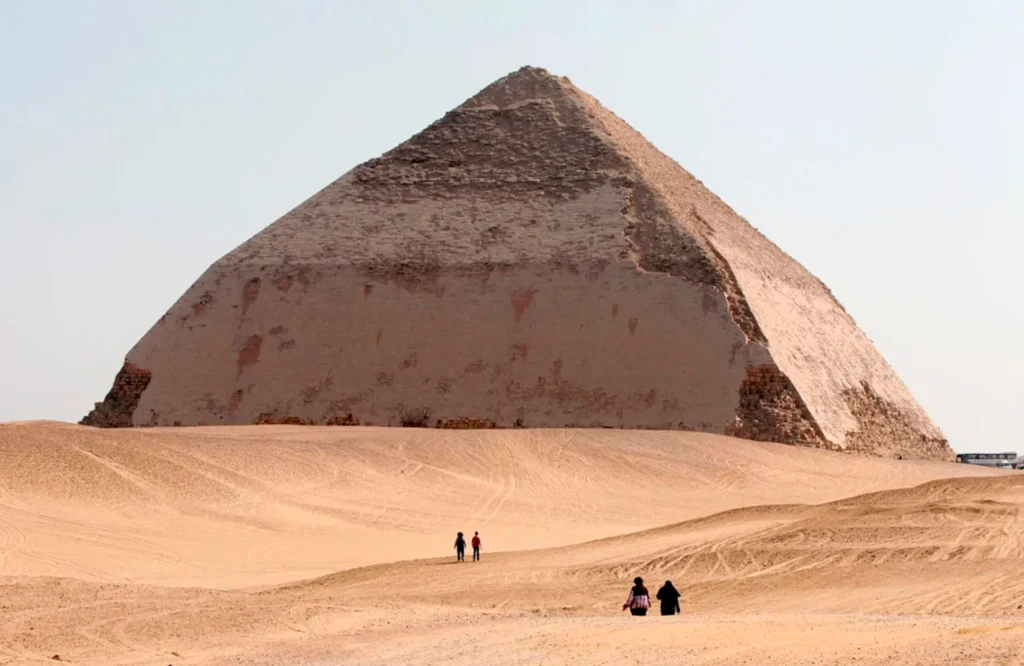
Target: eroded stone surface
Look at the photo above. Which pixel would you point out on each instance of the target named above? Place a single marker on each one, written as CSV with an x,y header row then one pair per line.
x,y
119,406
884,429
771,410
527,260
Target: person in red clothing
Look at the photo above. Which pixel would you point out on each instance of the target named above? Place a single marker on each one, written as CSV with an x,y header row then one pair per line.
x,y
639,598
476,546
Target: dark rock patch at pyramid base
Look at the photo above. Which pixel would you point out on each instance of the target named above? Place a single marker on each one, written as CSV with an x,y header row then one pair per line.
x,y
119,406
771,410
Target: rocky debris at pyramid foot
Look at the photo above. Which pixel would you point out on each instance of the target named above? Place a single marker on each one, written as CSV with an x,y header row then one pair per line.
x,y
771,410
463,423
117,408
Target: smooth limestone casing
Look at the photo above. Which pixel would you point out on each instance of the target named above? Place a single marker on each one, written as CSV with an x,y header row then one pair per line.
x,y
527,260
568,338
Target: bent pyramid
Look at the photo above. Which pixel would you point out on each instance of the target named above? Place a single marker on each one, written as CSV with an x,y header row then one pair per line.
x,y
527,260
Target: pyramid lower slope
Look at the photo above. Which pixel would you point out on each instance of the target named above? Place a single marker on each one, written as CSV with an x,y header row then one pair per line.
x,y
528,260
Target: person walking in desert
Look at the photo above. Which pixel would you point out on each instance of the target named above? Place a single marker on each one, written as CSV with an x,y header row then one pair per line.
x,y
460,547
476,546
639,599
669,597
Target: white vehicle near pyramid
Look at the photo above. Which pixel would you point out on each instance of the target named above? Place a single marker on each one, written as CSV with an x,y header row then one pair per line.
x,y
528,260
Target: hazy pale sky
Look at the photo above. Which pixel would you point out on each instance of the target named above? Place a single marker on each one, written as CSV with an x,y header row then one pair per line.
x,y
879,143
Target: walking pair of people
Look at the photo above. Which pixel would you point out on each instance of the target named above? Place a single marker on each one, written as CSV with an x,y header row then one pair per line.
x,y
460,547
640,600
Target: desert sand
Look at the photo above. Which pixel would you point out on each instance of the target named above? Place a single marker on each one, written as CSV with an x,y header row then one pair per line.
x,y
332,545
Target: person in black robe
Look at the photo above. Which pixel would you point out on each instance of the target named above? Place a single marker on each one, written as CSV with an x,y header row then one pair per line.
x,y
668,595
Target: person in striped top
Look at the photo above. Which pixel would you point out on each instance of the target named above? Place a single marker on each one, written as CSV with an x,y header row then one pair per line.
x,y
639,598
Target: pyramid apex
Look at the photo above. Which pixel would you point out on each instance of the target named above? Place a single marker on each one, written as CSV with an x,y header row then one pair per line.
x,y
528,83
533,70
